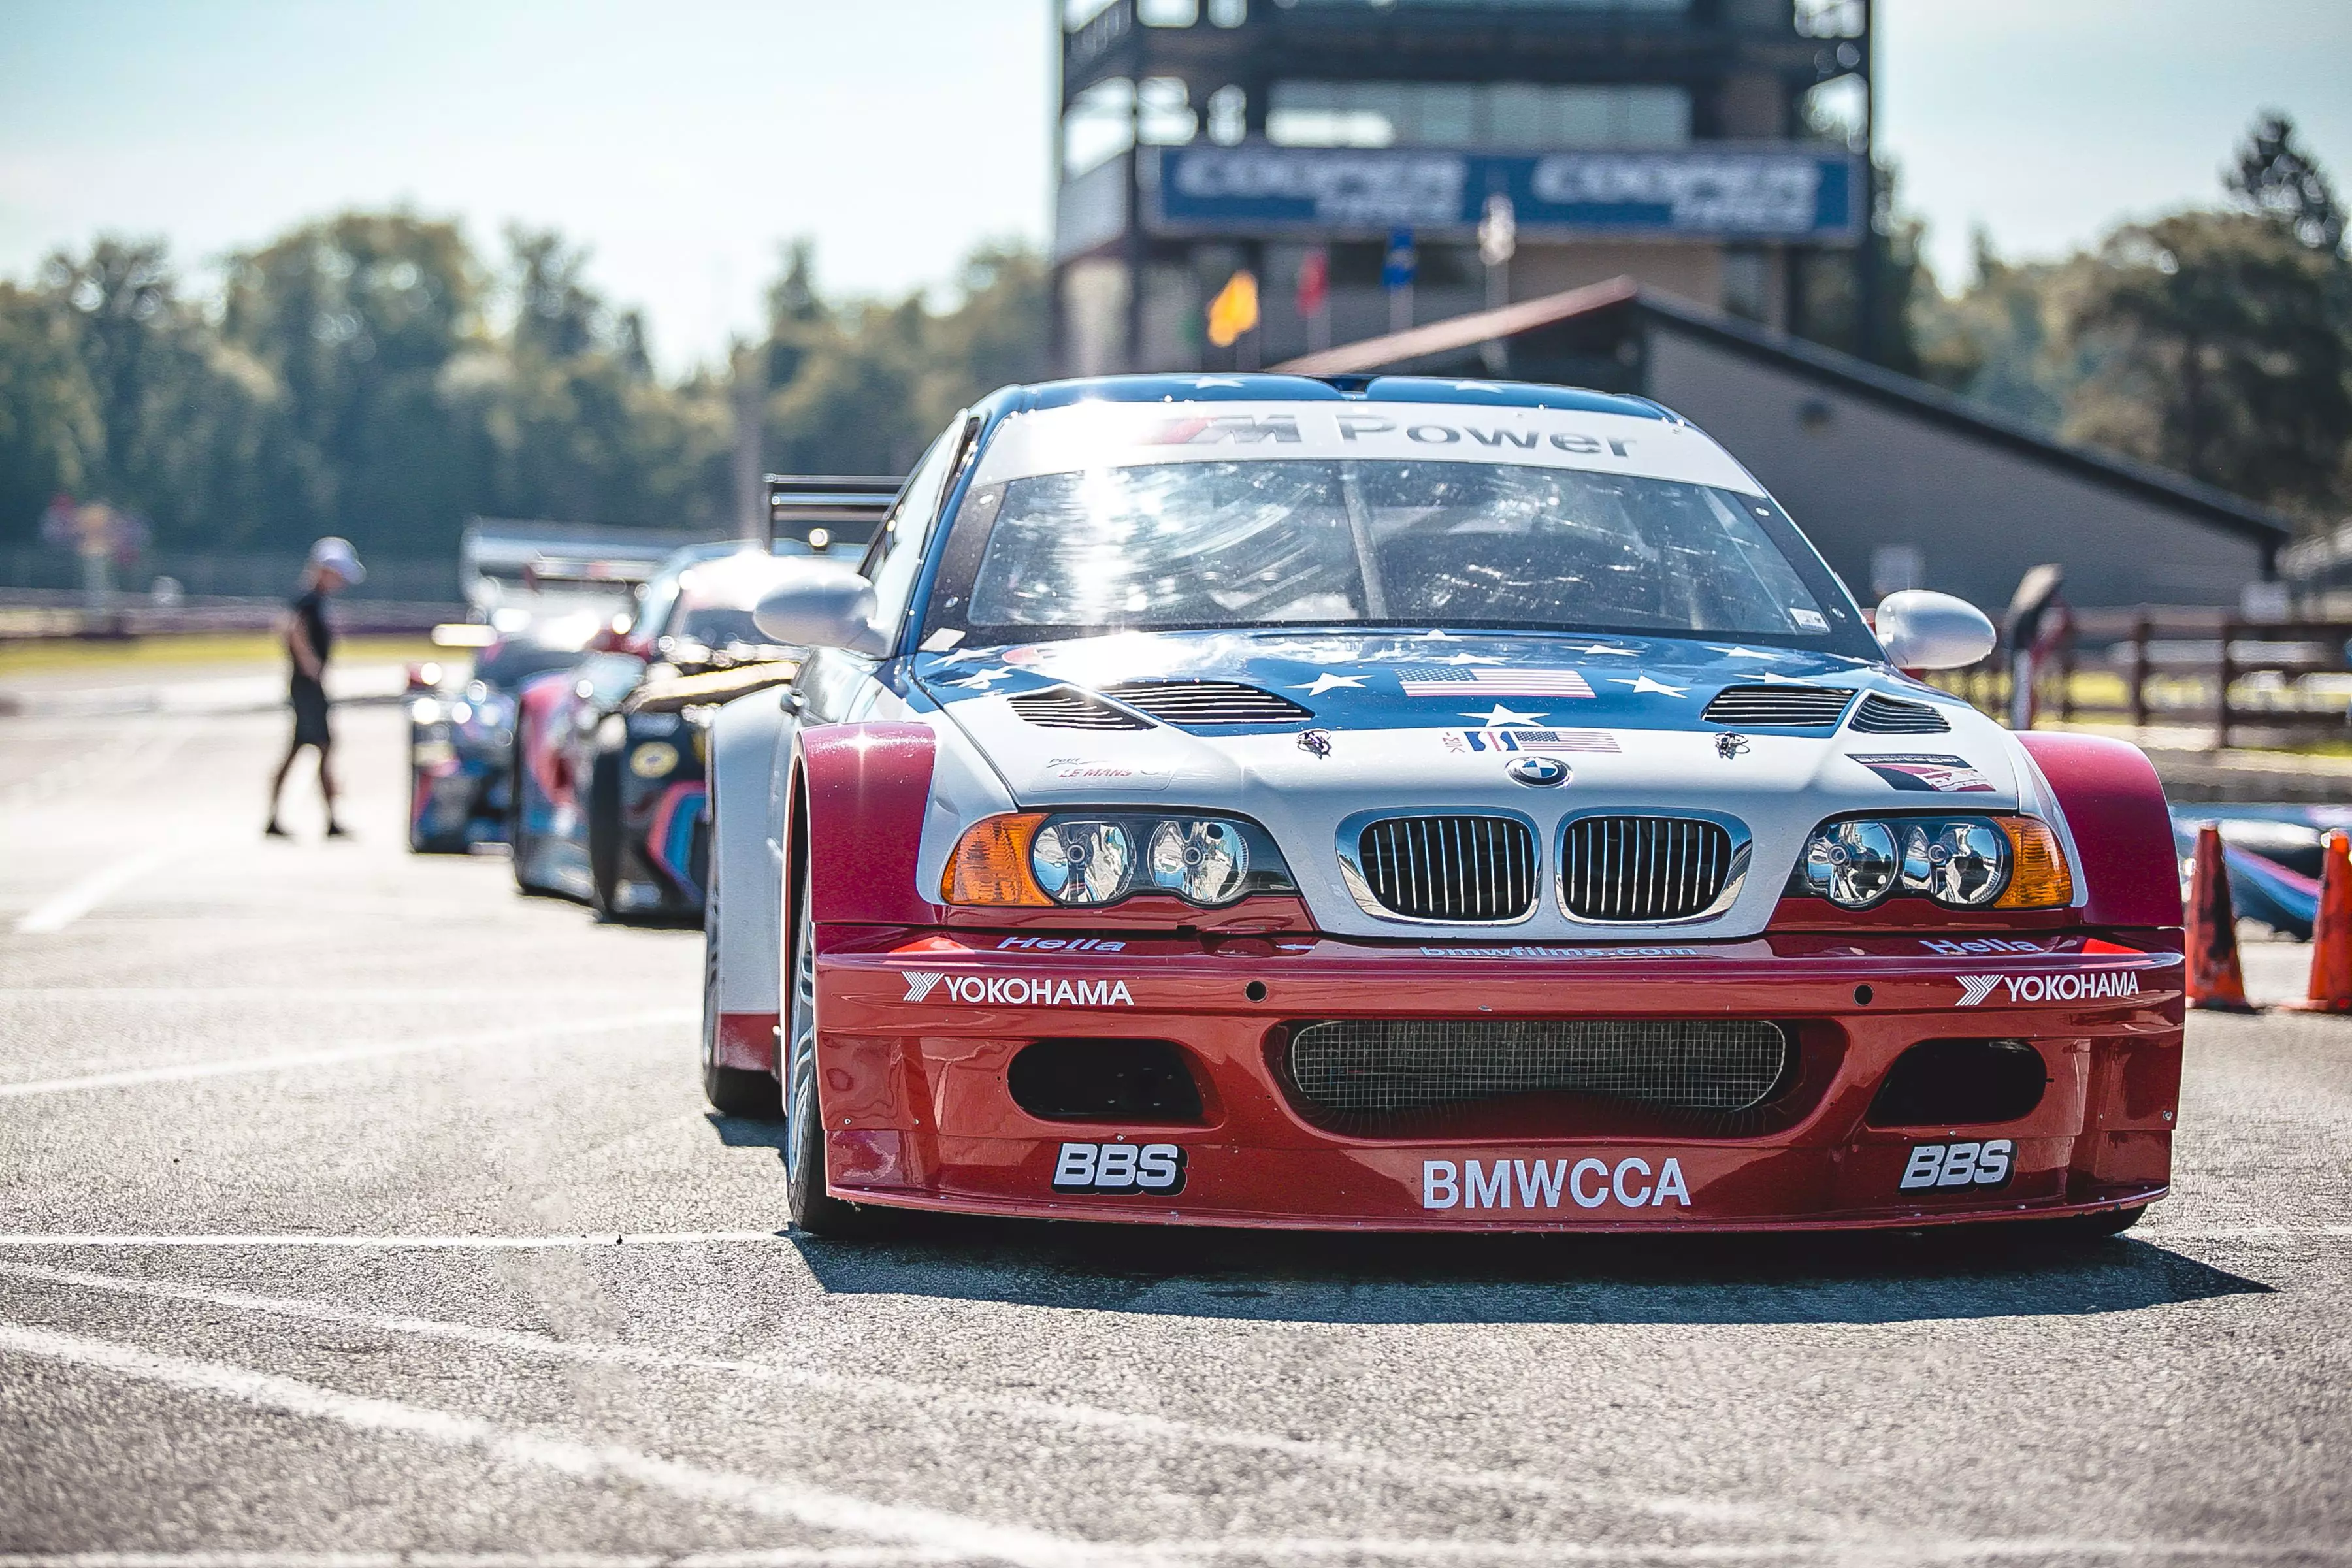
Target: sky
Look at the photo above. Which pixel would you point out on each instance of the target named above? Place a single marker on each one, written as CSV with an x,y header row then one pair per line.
x,y
686,141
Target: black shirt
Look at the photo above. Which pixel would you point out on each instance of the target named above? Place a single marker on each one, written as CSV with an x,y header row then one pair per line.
x,y
310,613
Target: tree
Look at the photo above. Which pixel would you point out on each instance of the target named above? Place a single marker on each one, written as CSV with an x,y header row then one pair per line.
x,y
2277,179
2224,351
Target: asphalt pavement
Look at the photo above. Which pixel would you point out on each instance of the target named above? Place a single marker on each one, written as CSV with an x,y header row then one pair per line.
x,y
355,1211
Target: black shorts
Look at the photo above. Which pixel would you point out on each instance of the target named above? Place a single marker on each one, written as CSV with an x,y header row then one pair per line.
x,y
310,701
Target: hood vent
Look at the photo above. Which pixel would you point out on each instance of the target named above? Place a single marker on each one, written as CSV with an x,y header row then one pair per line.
x,y
1893,716
1207,702
1067,708
1800,706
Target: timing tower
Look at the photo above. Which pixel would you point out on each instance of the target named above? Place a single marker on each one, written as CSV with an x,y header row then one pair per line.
x,y
1346,154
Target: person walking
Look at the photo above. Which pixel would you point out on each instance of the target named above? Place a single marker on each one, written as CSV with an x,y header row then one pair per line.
x,y
333,566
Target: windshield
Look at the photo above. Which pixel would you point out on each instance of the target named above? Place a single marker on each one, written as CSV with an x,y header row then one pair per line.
x,y
509,664
1240,544
716,626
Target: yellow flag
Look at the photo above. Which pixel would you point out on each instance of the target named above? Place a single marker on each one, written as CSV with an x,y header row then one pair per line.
x,y
1235,310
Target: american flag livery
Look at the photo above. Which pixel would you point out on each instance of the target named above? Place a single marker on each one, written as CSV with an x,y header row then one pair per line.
x,y
1475,681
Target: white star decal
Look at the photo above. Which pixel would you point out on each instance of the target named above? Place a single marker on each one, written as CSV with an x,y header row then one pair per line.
x,y
961,655
1774,678
1438,634
1603,648
985,680
1744,652
1502,716
1327,681
1644,683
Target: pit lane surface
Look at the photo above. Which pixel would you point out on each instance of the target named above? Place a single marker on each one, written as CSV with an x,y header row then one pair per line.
x,y
357,1211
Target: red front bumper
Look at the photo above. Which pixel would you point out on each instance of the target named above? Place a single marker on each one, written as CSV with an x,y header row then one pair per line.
x,y
920,1030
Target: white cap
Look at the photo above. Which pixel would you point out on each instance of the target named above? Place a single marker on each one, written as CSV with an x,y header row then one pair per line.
x,y
338,556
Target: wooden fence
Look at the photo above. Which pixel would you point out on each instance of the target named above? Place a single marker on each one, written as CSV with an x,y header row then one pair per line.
x,y
2287,679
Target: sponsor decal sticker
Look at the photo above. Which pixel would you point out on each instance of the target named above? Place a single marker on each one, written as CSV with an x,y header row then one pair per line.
x,y
1985,1164
1975,946
1533,1185
1937,774
1059,945
1017,990
2095,985
653,760
1153,1168
1469,741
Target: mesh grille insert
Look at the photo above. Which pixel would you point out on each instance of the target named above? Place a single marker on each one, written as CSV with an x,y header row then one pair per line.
x,y
1373,1067
1207,702
1797,706
1067,708
1640,868
1449,868
1892,716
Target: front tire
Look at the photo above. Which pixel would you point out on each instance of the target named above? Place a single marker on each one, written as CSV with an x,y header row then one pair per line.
x,y
523,843
604,836
813,1209
732,1091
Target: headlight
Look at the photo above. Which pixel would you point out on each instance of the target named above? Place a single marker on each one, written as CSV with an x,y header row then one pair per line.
x,y
1960,862
1081,862
1088,859
1204,859
1853,864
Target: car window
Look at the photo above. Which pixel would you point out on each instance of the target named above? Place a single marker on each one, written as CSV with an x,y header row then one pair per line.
x,y
1272,542
897,556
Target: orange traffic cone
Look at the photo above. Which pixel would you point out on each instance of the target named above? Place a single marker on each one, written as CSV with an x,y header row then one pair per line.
x,y
2215,981
2331,937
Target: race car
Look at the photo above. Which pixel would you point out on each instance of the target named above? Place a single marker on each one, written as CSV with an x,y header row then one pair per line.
x,y
608,796
461,731
1399,803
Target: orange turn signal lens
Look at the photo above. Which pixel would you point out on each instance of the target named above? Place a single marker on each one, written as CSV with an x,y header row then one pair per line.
x,y
991,864
2038,877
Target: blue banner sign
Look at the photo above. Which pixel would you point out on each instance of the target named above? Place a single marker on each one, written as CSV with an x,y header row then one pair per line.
x,y
1728,191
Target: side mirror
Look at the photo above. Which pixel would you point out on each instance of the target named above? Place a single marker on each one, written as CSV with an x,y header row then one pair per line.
x,y
1924,630
823,606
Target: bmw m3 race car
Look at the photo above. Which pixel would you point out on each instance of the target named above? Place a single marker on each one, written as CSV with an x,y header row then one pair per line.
x,y
1399,803
461,734
608,796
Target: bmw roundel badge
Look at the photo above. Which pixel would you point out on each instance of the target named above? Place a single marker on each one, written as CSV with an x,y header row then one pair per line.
x,y
1538,771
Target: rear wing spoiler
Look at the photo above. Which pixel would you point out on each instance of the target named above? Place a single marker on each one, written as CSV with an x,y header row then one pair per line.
x,y
574,572
564,555
825,512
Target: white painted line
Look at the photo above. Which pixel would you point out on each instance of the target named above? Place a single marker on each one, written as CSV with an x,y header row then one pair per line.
x,y
770,1557
2242,1232
934,1400
55,1239
812,1506
94,890
183,1072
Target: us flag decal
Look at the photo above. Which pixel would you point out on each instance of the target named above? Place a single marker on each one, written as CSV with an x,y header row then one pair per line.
x,y
1470,681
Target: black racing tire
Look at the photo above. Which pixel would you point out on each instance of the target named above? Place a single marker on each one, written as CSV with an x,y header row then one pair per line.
x,y
605,835
814,1210
519,833
732,1091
